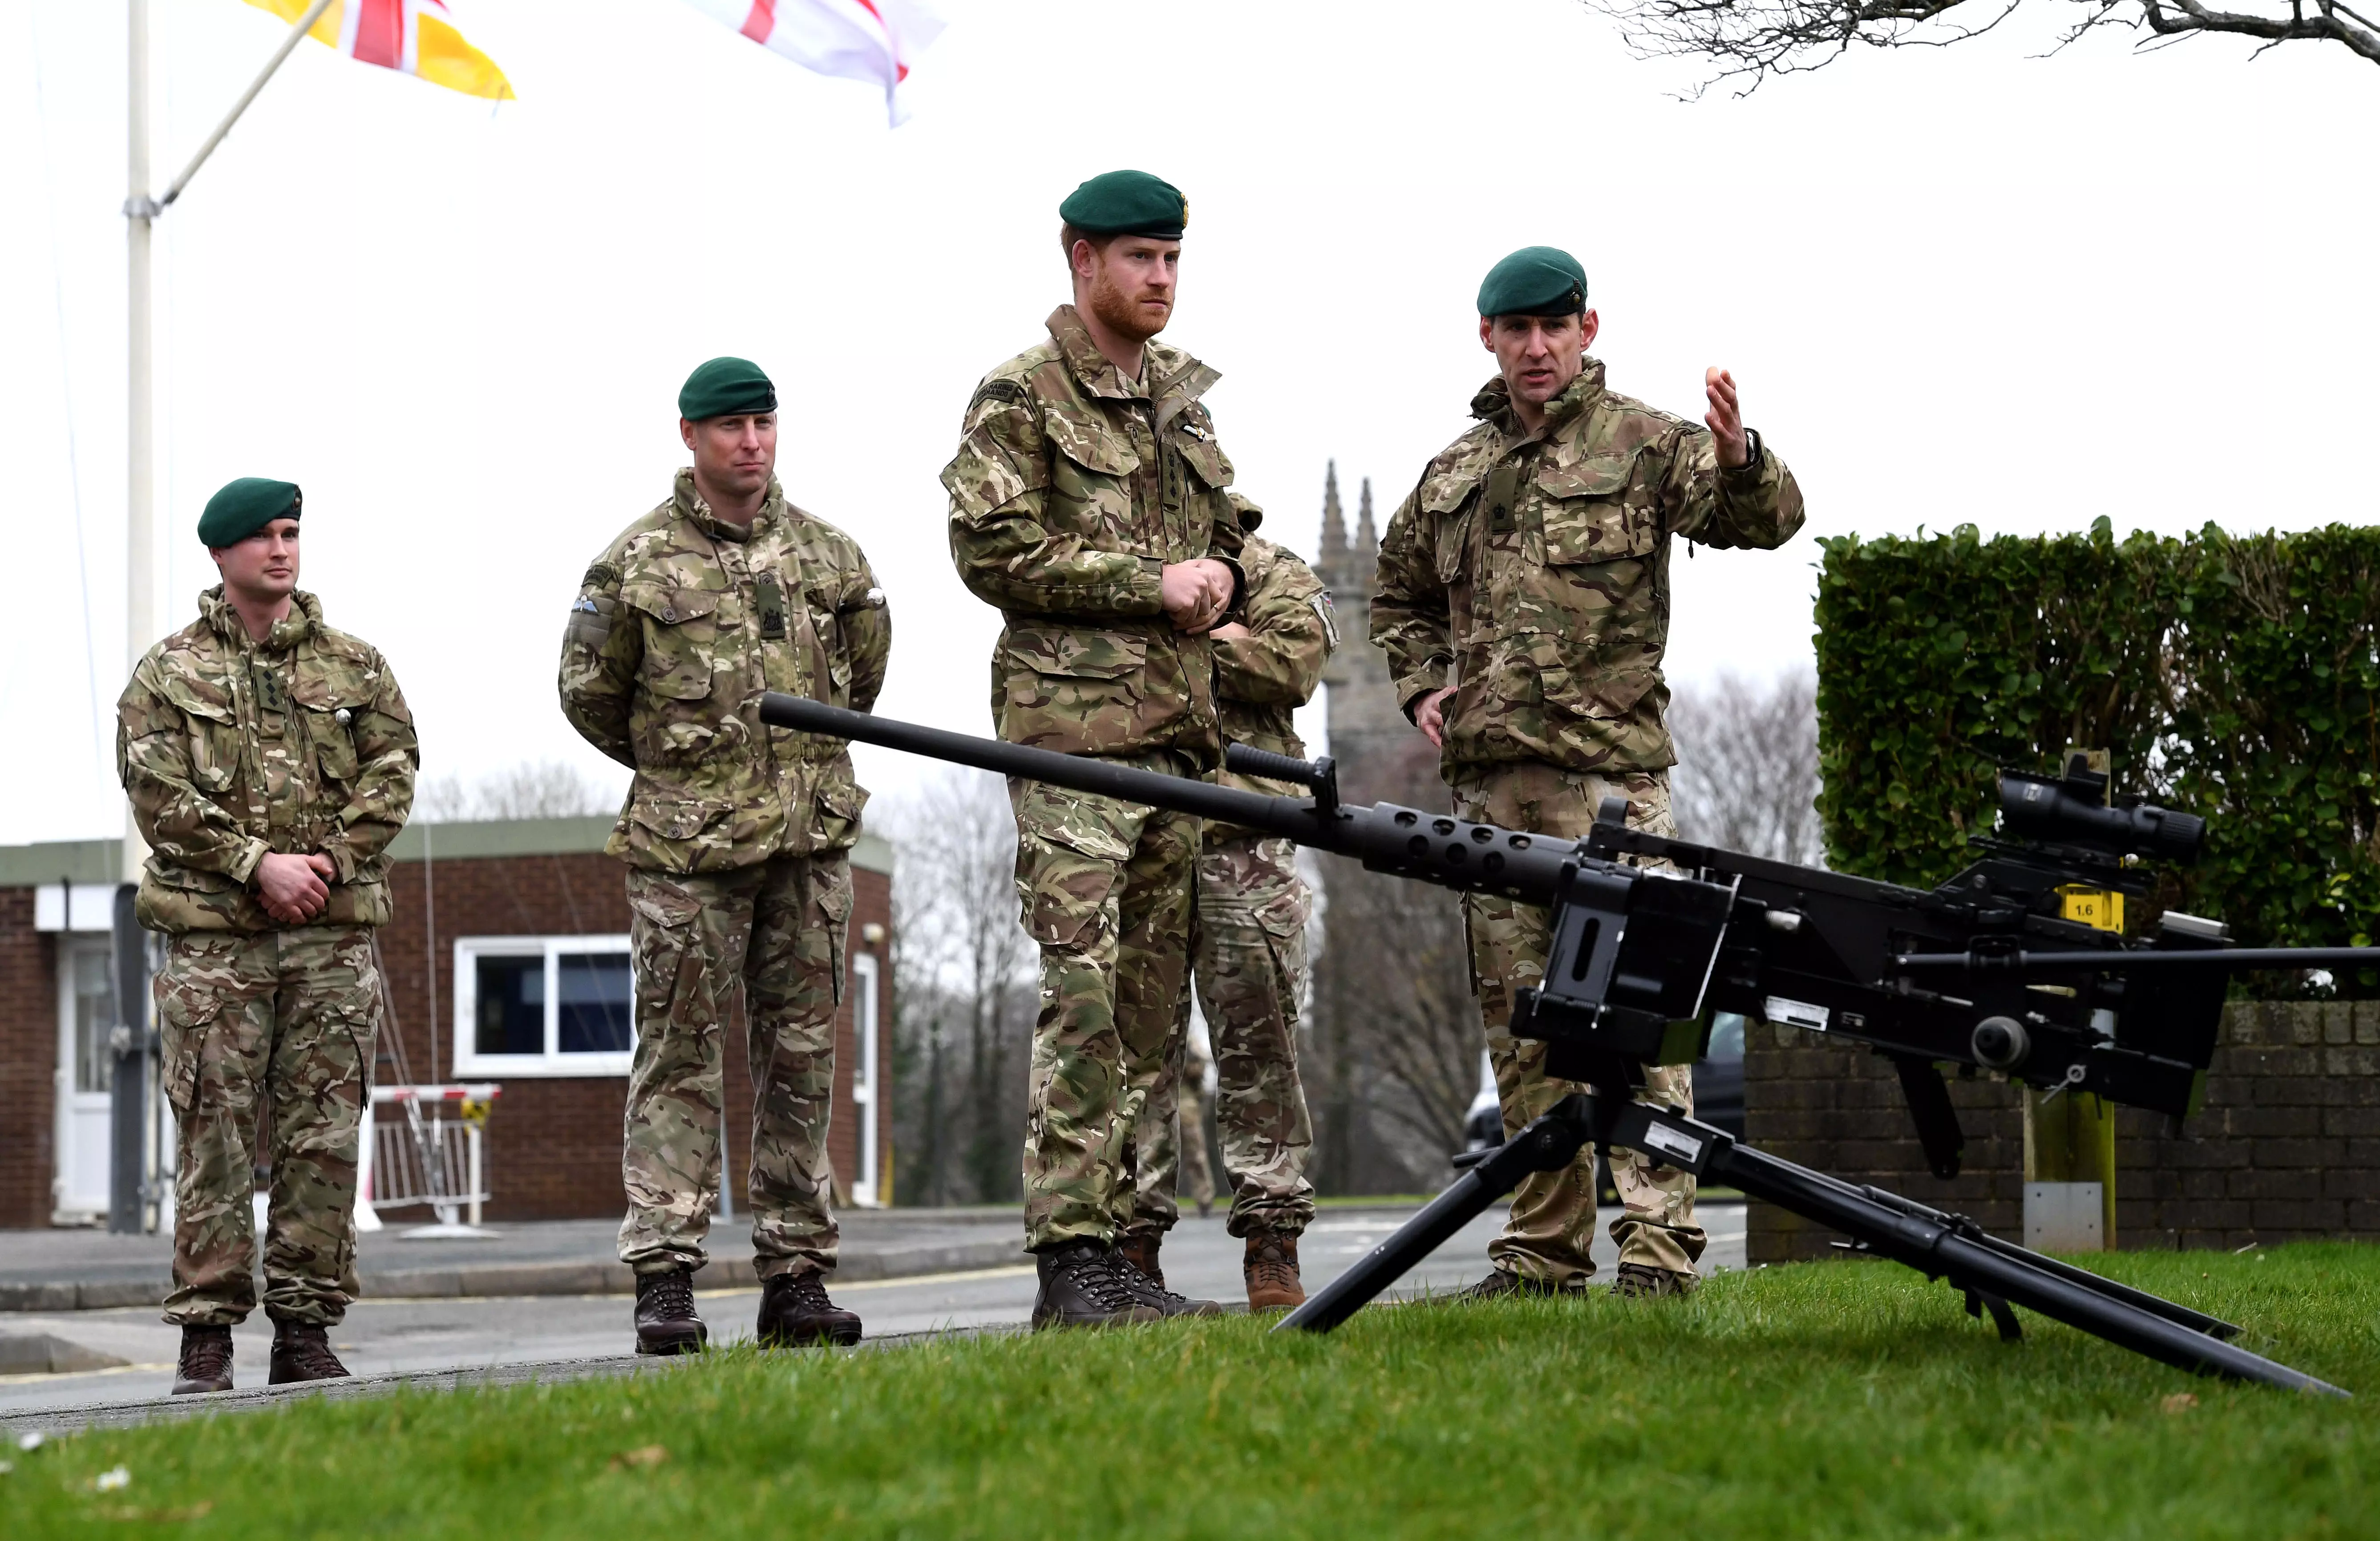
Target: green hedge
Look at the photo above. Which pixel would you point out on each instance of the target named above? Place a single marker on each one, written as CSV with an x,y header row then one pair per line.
x,y
2237,677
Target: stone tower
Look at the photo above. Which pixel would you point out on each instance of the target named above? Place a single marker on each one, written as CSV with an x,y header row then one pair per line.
x,y
1381,757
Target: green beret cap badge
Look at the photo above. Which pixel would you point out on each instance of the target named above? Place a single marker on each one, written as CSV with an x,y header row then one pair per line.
x,y
1534,281
244,506
1127,203
725,386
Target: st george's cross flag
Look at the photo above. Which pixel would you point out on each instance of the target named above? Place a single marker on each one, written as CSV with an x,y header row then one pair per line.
x,y
415,36
859,40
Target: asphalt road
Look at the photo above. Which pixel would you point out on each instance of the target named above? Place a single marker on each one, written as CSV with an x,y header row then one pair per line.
x,y
398,1336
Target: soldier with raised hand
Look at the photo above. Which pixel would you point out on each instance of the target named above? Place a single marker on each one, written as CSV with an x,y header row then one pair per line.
x,y
737,839
1088,502
270,760
1250,946
1522,598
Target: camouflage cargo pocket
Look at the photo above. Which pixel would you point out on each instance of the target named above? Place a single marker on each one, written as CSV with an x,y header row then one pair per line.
x,y
835,816
1070,854
681,637
186,1013
831,884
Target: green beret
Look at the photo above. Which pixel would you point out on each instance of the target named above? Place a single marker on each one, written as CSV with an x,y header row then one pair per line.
x,y
725,386
1127,203
244,506
1534,281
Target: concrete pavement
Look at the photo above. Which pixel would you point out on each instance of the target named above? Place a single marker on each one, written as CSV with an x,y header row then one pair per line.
x,y
452,1339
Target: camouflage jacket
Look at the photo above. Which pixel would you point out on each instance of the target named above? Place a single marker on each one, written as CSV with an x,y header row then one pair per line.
x,y
679,627
1072,490
1261,679
1531,571
233,749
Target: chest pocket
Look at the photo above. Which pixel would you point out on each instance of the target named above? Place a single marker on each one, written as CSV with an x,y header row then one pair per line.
x,y
214,733
1089,469
1448,502
681,638
1592,514
322,698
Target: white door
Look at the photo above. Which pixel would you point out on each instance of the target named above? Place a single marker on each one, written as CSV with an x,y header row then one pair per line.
x,y
86,1012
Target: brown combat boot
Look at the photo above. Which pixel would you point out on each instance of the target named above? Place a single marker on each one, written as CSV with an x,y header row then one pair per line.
x,y
302,1352
1135,1261
205,1364
1270,1268
665,1318
1644,1282
1140,1249
1082,1286
794,1310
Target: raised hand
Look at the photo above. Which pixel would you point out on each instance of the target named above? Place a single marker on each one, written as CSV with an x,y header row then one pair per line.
x,y
1726,417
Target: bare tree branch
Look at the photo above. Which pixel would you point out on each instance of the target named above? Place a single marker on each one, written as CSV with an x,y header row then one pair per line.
x,y
533,789
1750,41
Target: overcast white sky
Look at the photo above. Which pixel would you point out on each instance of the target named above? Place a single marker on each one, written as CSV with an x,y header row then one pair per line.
x,y
1971,284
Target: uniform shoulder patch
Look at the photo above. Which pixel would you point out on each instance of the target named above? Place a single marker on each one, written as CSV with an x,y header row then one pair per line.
x,y
1330,616
998,390
603,575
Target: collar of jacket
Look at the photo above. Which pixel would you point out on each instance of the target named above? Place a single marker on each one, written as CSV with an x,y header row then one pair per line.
x,y
694,507
1170,377
305,615
1494,401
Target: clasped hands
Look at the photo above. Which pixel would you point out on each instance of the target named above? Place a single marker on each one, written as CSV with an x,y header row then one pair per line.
x,y
295,890
1195,593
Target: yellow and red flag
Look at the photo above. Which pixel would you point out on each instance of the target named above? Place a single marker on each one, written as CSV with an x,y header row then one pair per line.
x,y
415,36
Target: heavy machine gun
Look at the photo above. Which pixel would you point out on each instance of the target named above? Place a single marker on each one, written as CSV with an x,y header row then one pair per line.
x,y
1651,935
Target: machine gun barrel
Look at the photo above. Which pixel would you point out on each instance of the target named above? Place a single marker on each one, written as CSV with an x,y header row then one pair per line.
x,y
1407,843
2100,961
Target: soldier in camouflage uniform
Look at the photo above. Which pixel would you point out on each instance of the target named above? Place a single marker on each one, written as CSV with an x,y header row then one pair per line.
x,y
1088,502
1250,947
270,760
1523,599
738,837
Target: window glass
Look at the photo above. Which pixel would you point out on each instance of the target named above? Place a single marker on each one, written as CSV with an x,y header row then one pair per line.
x,y
512,1004
595,1011
94,1015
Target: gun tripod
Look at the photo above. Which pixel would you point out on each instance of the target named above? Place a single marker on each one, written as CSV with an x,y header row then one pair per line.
x,y
1993,1274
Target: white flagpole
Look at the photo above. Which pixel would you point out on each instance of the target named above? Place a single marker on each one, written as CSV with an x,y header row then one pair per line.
x,y
141,213
140,526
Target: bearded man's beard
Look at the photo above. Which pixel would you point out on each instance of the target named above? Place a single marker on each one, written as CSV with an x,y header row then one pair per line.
x,y
1121,315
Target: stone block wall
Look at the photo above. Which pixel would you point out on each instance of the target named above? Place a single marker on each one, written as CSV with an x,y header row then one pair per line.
x,y
2286,1147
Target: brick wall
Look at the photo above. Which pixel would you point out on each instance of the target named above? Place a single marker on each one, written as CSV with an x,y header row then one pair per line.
x,y
29,1062
2285,1147
554,1143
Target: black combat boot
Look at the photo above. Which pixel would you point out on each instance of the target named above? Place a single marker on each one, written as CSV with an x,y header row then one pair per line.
x,y
1270,1269
301,1352
1082,1286
1134,1259
205,1364
665,1318
1644,1282
794,1310
1503,1283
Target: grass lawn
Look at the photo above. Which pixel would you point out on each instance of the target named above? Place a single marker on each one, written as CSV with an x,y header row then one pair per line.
x,y
1834,1399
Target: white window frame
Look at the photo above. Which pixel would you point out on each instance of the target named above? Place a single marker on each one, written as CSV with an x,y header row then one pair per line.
x,y
470,1063
866,1082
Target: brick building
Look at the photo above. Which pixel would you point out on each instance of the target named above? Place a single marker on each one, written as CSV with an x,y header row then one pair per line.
x,y
507,961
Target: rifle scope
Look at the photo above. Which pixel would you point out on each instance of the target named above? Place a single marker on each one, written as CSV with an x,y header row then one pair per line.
x,y
2038,808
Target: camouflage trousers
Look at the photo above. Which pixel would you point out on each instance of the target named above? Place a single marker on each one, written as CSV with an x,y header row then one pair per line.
x,y
774,932
1250,967
1553,1213
1105,889
1197,1173
277,1026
